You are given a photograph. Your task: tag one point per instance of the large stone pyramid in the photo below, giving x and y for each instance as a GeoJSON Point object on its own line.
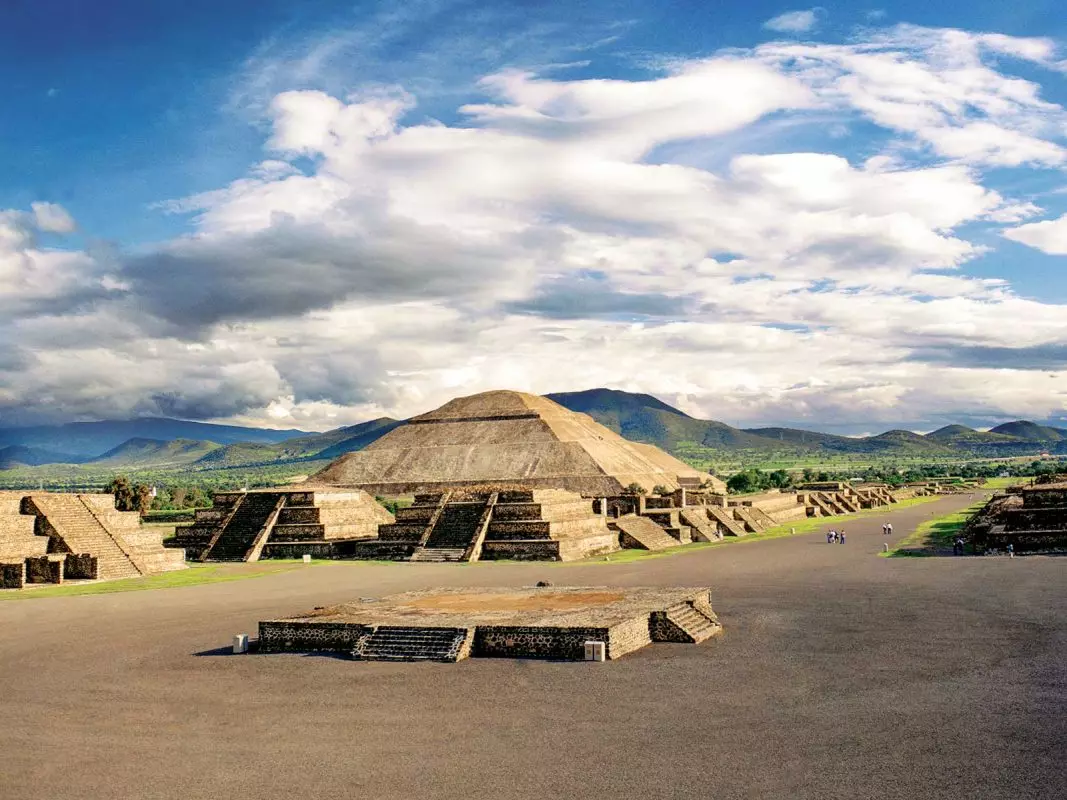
{"type": "Point", "coordinates": [505, 440]}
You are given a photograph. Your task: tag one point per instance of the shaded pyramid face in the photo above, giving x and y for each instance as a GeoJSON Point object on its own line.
{"type": "Point", "coordinates": [504, 439]}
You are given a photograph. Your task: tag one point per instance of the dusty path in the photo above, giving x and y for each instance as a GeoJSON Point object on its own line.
{"type": "Point", "coordinates": [840, 675]}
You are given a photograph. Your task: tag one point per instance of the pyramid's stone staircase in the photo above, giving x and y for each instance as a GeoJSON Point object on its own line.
{"type": "Point", "coordinates": [74, 528]}
{"type": "Point", "coordinates": [703, 529]}
{"type": "Point", "coordinates": [396, 643]}
{"type": "Point", "coordinates": [252, 518]}
{"type": "Point", "coordinates": [281, 524]}
{"type": "Point", "coordinates": [726, 519]}
{"type": "Point", "coordinates": [745, 516]}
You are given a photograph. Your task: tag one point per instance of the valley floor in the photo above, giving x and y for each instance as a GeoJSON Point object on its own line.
{"type": "Point", "coordinates": [840, 675]}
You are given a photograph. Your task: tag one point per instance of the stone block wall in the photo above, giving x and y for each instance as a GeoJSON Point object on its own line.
{"type": "Point", "coordinates": [44, 570]}
{"type": "Point", "coordinates": [82, 566]}
{"type": "Point", "coordinates": [289, 636]}
{"type": "Point", "coordinates": [13, 576]}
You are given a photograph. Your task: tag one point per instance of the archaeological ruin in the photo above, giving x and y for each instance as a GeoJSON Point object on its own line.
{"type": "Point", "coordinates": [501, 475]}
{"type": "Point", "coordinates": [564, 623]}
{"type": "Point", "coordinates": [1028, 518]}
{"type": "Point", "coordinates": [48, 537]}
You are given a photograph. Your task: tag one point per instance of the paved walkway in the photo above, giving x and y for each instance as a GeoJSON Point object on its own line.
{"type": "Point", "coordinates": [840, 675]}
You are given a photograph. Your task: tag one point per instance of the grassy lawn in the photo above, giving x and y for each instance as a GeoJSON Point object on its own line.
{"type": "Point", "coordinates": [934, 535]}
{"type": "Point", "coordinates": [195, 575]}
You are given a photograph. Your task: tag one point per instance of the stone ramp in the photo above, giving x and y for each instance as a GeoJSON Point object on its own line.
{"type": "Point", "coordinates": [396, 643]}
{"type": "Point", "coordinates": [642, 533]}
{"type": "Point", "coordinates": [73, 522]}
{"type": "Point", "coordinates": [726, 519]}
{"type": "Point", "coordinates": [240, 532]}
{"type": "Point", "coordinates": [704, 530]}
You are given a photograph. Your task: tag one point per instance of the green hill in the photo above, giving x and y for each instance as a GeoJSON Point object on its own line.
{"type": "Point", "coordinates": [1021, 429]}
{"type": "Point", "coordinates": [154, 452]}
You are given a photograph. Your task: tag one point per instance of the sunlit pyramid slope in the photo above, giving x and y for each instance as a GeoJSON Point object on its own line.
{"type": "Point", "coordinates": [505, 440]}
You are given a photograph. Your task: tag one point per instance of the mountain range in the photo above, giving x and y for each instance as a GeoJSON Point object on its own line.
{"type": "Point", "coordinates": [171, 443]}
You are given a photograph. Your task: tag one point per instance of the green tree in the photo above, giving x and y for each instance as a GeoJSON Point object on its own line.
{"type": "Point", "coordinates": [120, 487]}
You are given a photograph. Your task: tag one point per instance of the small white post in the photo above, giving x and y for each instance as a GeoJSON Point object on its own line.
{"type": "Point", "coordinates": [792, 530]}
{"type": "Point", "coordinates": [240, 643]}
{"type": "Point", "coordinates": [885, 547]}
{"type": "Point", "coordinates": [307, 558]}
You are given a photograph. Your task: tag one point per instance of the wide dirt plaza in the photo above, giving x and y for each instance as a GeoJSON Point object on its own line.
{"type": "Point", "coordinates": [839, 674]}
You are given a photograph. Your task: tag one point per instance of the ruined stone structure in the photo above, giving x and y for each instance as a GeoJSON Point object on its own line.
{"type": "Point", "coordinates": [1030, 519]}
{"type": "Point", "coordinates": [472, 525]}
{"type": "Point", "coordinates": [281, 523]}
{"type": "Point", "coordinates": [506, 440]}
{"type": "Point", "coordinates": [452, 624]}
{"type": "Point", "coordinates": [48, 537]}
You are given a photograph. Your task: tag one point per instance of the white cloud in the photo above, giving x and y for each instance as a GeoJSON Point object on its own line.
{"type": "Point", "coordinates": [1048, 236]}
{"type": "Point", "coordinates": [52, 218]}
{"type": "Point", "coordinates": [794, 21]}
{"type": "Point", "coordinates": [380, 263]}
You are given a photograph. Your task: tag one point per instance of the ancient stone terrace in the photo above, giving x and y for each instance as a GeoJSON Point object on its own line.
{"type": "Point", "coordinates": [541, 622]}
{"type": "Point", "coordinates": [282, 523]}
{"type": "Point", "coordinates": [50, 537]}
{"type": "Point", "coordinates": [536, 524]}
{"type": "Point", "coordinates": [1033, 519]}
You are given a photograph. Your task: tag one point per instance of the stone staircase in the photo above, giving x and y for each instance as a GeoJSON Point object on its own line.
{"type": "Point", "coordinates": [703, 529]}
{"type": "Point", "coordinates": [726, 519]}
{"type": "Point", "coordinates": [438, 555]}
{"type": "Point", "coordinates": [239, 535]}
{"type": "Point", "coordinates": [395, 643]}
{"type": "Point", "coordinates": [750, 522]}
{"type": "Point", "coordinates": [693, 625]}
{"type": "Point", "coordinates": [642, 533]}
{"type": "Point", "coordinates": [762, 517]}
{"type": "Point", "coordinates": [73, 522]}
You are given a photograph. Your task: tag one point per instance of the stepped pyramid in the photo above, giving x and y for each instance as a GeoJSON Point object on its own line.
{"type": "Point", "coordinates": [281, 523]}
{"type": "Point", "coordinates": [505, 440]}
{"type": "Point", "coordinates": [46, 537]}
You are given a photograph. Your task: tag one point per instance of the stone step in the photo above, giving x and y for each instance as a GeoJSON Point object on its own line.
{"type": "Point", "coordinates": [639, 532]}
{"type": "Point", "coordinates": [439, 554]}
{"type": "Point", "coordinates": [394, 643]}
{"type": "Point", "coordinates": [726, 520]}
{"type": "Point", "coordinates": [692, 622]}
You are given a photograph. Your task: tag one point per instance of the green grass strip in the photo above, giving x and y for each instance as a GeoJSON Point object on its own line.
{"type": "Point", "coordinates": [935, 534]}
{"type": "Point", "coordinates": [195, 575]}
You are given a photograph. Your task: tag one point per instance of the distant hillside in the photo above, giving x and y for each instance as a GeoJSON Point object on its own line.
{"type": "Point", "coordinates": [359, 436]}
{"type": "Point", "coordinates": [1021, 429]}
{"type": "Point", "coordinates": [643, 418]}
{"type": "Point", "coordinates": [640, 417]}
{"type": "Point", "coordinates": [18, 455]}
{"type": "Point", "coordinates": [90, 439]}
{"type": "Point", "coordinates": [155, 452]}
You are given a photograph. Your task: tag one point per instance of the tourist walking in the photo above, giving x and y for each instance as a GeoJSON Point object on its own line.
{"type": "Point", "coordinates": [1011, 551]}
{"type": "Point", "coordinates": [841, 537]}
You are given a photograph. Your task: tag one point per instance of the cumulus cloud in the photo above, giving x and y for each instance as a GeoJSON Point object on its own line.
{"type": "Point", "coordinates": [52, 218]}
{"type": "Point", "coordinates": [378, 262]}
{"type": "Point", "coordinates": [1048, 236]}
{"type": "Point", "coordinates": [794, 21]}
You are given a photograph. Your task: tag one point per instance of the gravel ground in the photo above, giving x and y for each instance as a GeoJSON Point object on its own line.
{"type": "Point", "coordinates": [840, 675]}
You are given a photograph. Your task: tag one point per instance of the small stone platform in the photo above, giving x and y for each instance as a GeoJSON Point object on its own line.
{"type": "Point", "coordinates": [543, 622]}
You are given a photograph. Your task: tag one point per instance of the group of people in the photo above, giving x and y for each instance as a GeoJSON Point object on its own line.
{"type": "Point", "coordinates": [835, 537]}
{"type": "Point", "coordinates": [887, 529]}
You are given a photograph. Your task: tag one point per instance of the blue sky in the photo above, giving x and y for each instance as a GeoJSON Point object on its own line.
{"type": "Point", "coordinates": [116, 111]}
